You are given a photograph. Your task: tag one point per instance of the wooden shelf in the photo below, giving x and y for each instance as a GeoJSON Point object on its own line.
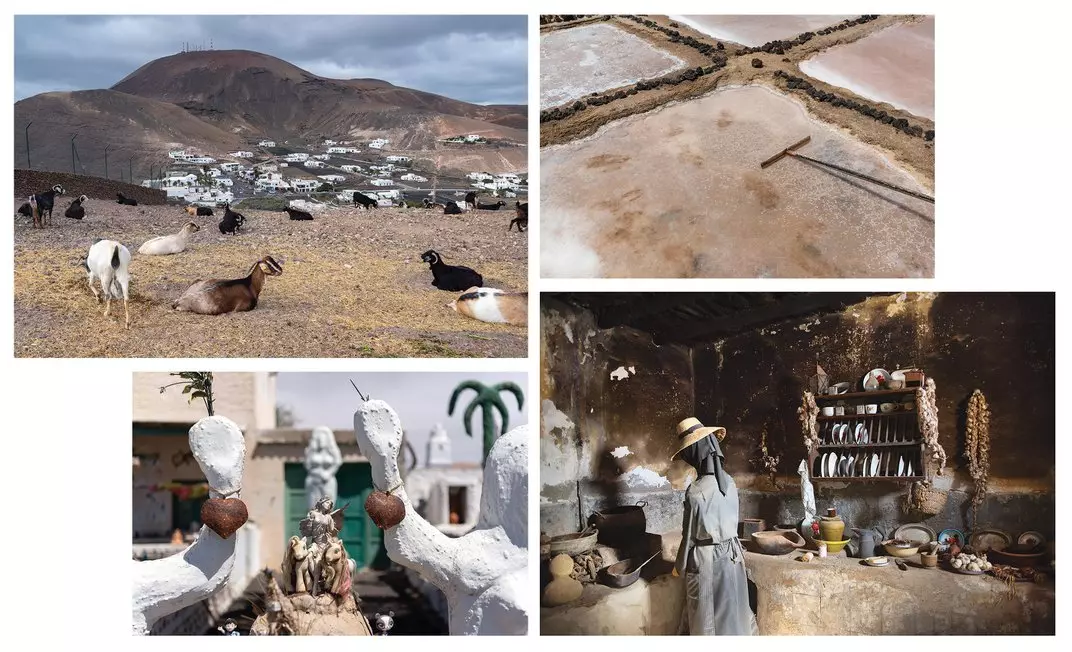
{"type": "Point", "coordinates": [886, 415]}
{"type": "Point", "coordinates": [892, 444]}
{"type": "Point", "coordinates": [855, 395]}
{"type": "Point", "coordinates": [868, 479]}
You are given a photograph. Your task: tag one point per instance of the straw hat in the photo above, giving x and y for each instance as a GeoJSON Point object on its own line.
{"type": "Point", "coordinates": [691, 431]}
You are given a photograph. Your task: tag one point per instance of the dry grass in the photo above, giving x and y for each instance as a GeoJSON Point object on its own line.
{"type": "Point", "coordinates": [353, 285]}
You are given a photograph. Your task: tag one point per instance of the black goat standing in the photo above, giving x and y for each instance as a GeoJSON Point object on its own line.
{"type": "Point", "coordinates": [231, 221]}
{"type": "Point", "coordinates": [76, 211]}
{"type": "Point", "coordinates": [454, 278]}
{"type": "Point", "coordinates": [120, 198]}
{"type": "Point", "coordinates": [295, 214]}
{"type": "Point", "coordinates": [522, 219]}
{"type": "Point", "coordinates": [42, 203]}
{"type": "Point", "coordinates": [365, 200]}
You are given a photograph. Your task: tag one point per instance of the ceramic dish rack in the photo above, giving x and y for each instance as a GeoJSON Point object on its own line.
{"type": "Point", "coordinates": [886, 446]}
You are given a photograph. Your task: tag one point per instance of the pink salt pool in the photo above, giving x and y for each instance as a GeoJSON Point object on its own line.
{"type": "Point", "coordinates": [895, 65]}
{"type": "Point", "coordinates": [756, 30]}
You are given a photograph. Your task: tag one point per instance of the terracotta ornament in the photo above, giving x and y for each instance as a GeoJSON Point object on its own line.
{"type": "Point", "coordinates": [224, 515]}
{"type": "Point", "coordinates": [385, 509]}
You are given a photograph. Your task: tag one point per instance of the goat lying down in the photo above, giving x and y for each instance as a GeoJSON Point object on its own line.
{"type": "Point", "coordinates": [218, 296]}
{"type": "Point", "coordinates": [110, 262]}
{"type": "Point", "coordinates": [164, 245]}
{"type": "Point", "coordinates": [493, 306]}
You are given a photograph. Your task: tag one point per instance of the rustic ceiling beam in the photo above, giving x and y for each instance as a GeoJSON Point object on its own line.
{"type": "Point", "coordinates": [641, 306]}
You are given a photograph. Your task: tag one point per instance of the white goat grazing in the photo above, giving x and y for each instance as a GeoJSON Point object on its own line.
{"type": "Point", "coordinates": [169, 244]}
{"type": "Point", "coordinates": [110, 262]}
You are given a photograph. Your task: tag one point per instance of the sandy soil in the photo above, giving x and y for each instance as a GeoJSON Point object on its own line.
{"type": "Point", "coordinates": [895, 65]}
{"type": "Point", "coordinates": [678, 192]}
{"type": "Point", "coordinates": [591, 58]}
{"type": "Point", "coordinates": [754, 31]}
{"type": "Point", "coordinates": [353, 285]}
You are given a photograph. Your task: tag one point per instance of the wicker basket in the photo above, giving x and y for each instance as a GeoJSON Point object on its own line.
{"type": "Point", "coordinates": [928, 500]}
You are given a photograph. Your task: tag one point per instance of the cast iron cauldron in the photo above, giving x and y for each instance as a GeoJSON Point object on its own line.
{"type": "Point", "coordinates": [620, 526]}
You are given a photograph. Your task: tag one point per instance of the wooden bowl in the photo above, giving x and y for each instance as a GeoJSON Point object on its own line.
{"type": "Point", "coordinates": [1017, 556]}
{"type": "Point", "coordinates": [772, 542]}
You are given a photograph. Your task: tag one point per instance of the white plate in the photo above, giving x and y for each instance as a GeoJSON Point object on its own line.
{"type": "Point", "coordinates": [852, 466]}
{"type": "Point", "coordinates": [831, 462]}
{"type": "Point", "coordinates": [874, 465]}
{"type": "Point", "coordinates": [822, 465]}
{"type": "Point", "coordinates": [916, 532]}
{"type": "Point", "coordinates": [865, 436]}
{"type": "Point", "coordinates": [870, 382]}
{"type": "Point", "coordinates": [909, 474]}
{"type": "Point", "coordinates": [856, 436]}
{"type": "Point", "coordinates": [900, 466]}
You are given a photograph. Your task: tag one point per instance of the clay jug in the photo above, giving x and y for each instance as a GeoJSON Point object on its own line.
{"type": "Point", "coordinates": [831, 526]}
{"type": "Point", "coordinates": [868, 539]}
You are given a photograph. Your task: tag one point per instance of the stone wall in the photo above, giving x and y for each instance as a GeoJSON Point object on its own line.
{"type": "Point", "coordinates": [610, 401]}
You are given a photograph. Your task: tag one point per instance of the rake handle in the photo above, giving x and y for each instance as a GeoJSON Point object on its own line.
{"type": "Point", "coordinates": [884, 184]}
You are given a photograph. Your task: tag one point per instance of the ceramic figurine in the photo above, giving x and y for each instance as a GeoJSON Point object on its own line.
{"type": "Point", "coordinates": [229, 628]}
{"type": "Point", "coordinates": [384, 622]}
{"type": "Point", "coordinates": [297, 567]}
{"type": "Point", "coordinates": [335, 569]}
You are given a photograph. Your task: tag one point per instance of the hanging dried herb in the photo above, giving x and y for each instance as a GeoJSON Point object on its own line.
{"type": "Point", "coordinates": [198, 384]}
{"type": "Point", "coordinates": [927, 410]}
{"type": "Point", "coordinates": [808, 412]}
{"type": "Point", "coordinates": [977, 448]}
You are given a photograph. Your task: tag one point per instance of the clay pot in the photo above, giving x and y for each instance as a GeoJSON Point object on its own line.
{"type": "Point", "coordinates": [224, 515]}
{"type": "Point", "coordinates": [386, 510]}
{"type": "Point", "coordinates": [831, 526]}
{"type": "Point", "coordinates": [749, 526]}
{"type": "Point", "coordinates": [929, 560]}
{"type": "Point", "coordinates": [562, 588]}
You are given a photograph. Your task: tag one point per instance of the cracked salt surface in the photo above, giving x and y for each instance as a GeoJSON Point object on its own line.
{"type": "Point", "coordinates": [754, 31]}
{"type": "Point", "coordinates": [578, 61]}
{"type": "Point", "coordinates": [678, 192]}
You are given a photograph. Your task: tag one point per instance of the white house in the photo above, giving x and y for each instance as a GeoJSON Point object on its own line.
{"type": "Point", "coordinates": [230, 167]}
{"type": "Point", "coordinates": [284, 165]}
{"type": "Point", "coordinates": [385, 195]}
{"type": "Point", "coordinates": [332, 178]}
{"type": "Point", "coordinates": [213, 172]}
{"type": "Point", "coordinates": [266, 143]}
{"type": "Point", "coordinates": [446, 493]}
{"type": "Point", "coordinates": [321, 157]}
{"type": "Point", "coordinates": [413, 177]}
{"type": "Point", "coordinates": [304, 185]}
{"type": "Point", "coordinates": [329, 143]}
{"type": "Point", "coordinates": [351, 168]}
{"type": "Point", "coordinates": [398, 159]}
{"type": "Point", "coordinates": [382, 182]}
{"type": "Point", "coordinates": [314, 164]}
{"type": "Point", "coordinates": [201, 160]}
{"type": "Point", "coordinates": [343, 150]}
{"type": "Point", "coordinates": [270, 182]}
{"type": "Point", "coordinates": [296, 157]}
{"type": "Point", "coordinates": [266, 167]}
{"type": "Point", "coordinates": [379, 143]}
{"type": "Point", "coordinates": [241, 154]}
{"type": "Point", "coordinates": [223, 182]}
{"type": "Point", "coordinates": [178, 154]}
{"type": "Point", "coordinates": [508, 177]}
{"type": "Point", "coordinates": [479, 176]}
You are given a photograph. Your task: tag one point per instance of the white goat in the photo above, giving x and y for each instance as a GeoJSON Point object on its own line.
{"type": "Point", "coordinates": [110, 262]}
{"type": "Point", "coordinates": [164, 245]}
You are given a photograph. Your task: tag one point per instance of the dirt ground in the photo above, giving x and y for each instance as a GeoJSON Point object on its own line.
{"type": "Point", "coordinates": [353, 285]}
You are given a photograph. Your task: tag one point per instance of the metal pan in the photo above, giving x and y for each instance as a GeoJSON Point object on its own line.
{"type": "Point", "coordinates": [623, 573]}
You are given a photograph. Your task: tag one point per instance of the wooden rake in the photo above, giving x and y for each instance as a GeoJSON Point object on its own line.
{"type": "Point", "coordinates": [790, 151]}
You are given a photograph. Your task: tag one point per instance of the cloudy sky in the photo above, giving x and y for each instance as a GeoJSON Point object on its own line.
{"type": "Point", "coordinates": [479, 59]}
{"type": "Point", "coordinates": [420, 399]}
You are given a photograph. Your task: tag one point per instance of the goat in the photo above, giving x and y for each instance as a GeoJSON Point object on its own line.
{"type": "Point", "coordinates": [110, 262]}
{"type": "Point", "coordinates": [453, 278]}
{"type": "Point", "coordinates": [522, 219]}
{"type": "Point", "coordinates": [231, 221]}
{"type": "Point", "coordinates": [470, 198]}
{"type": "Point", "coordinates": [42, 203]}
{"type": "Point", "coordinates": [431, 203]}
{"type": "Point", "coordinates": [296, 214]}
{"type": "Point", "coordinates": [491, 207]}
{"type": "Point", "coordinates": [217, 296]}
{"type": "Point", "coordinates": [120, 198]}
{"type": "Point", "coordinates": [493, 306]}
{"type": "Point", "coordinates": [164, 245]}
{"type": "Point", "coordinates": [25, 210]}
{"type": "Point", "coordinates": [76, 211]}
{"type": "Point", "coordinates": [452, 208]}
{"type": "Point", "coordinates": [199, 211]}
{"type": "Point", "coordinates": [365, 200]}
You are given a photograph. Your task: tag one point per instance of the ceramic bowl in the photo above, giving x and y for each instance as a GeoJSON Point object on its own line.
{"type": "Point", "coordinates": [834, 547]}
{"type": "Point", "coordinates": [1018, 556]}
{"type": "Point", "coordinates": [886, 408]}
{"type": "Point", "coordinates": [877, 561]}
{"type": "Point", "coordinates": [900, 551]}
{"type": "Point", "coordinates": [772, 542]}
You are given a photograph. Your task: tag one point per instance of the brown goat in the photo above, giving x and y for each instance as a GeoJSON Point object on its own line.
{"type": "Point", "coordinates": [217, 296]}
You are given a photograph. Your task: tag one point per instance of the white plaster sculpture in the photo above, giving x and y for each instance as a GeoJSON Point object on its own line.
{"type": "Point", "coordinates": [322, 461]}
{"type": "Point", "coordinates": [807, 495]}
{"type": "Point", "coordinates": [484, 574]}
{"type": "Point", "coordinates": [164, 586]}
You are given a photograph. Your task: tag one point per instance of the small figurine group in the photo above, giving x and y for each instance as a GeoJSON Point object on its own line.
{"type": "Point", "coordinates": [229, 628]}
{"type": "Point", "coordinates": [316, 562]}
{"type": "Point", "coordinates": [384, 622]}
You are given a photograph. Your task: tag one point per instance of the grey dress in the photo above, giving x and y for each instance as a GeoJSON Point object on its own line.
{"type": "Point", "coordinates": [716, 588]}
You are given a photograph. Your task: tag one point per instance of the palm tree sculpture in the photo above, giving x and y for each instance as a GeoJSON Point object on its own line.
{"type": "Point", "coordinates": [488, 400]}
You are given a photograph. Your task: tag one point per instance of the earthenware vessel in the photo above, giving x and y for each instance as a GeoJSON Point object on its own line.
{"type": "Point", "coordinates": [831, 526]}
{"type": "Point", "coordinates": [929, 560]}
{"type": "Point", "coordinates": [868, 539]}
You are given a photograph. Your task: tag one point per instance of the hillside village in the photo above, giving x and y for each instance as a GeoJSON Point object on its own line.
{"type": "Point", "coordinates": [331, 171]}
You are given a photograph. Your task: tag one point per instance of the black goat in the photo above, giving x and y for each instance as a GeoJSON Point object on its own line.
{"type": "Point", "coordinates": [231, 221]}
{"type": "Point", "coordinates": [295, 214]}
{"type": "Point", "coordinates": [120, 198]}
{"type": "Point", "coordinates": [522, 219]}
{"type": "Point", "coordinates": [452, 208]}
{"type": "Point", "coordinates": [491, 207]}
{"type": "Point", "coordinates": [470, 198]}
{"type": "Point", "coordinates": [76, 211]}
{"type": "Point", "coordinates": [199, 211]}
{"type": "Point", "coordinates": [26, 210]}
{"type": "Point", "coordinates": [42, 203]}
{"type": "Point", "coordinates": [454, 278]}
{"type": "Point", "coordinates": [365, 200]}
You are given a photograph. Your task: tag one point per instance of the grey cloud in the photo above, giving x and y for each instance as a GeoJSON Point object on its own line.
{"type": "Point", "coordinates": [481, 59]}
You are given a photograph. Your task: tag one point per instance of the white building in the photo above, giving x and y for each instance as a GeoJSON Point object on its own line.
{"type": "Point", "coordinates": [446, 493]}
{"type": "Point", "coordinates": [413, 177]}
{"type": "Point", "coordinates": [223, 182]}
{"type": "Point", "coordinates": [508, 177]}
{"type": "Point", "coordinates": [398, 159]}
{"type": "Point", "coordinates": [241, 154]}
{"type": "Point", "coordinates": [479, 176]}
{"type": "Point", "coordinates": [314, 164]}
{"type": "Point", "coordinates": [266, 143]}
{"type": "Point", "coordinates": [213, 172]}
{"type": "Point", "coordinates": [230, 167]}
{"type": "Point", "coordinates": [332, 178]}
{"type": "Point", "coordinates": [304, 185]}
{"type": "Point", "coordinates": [201, 160]}
{"type": "Point", "coordinates": [343, 150]}
{"type": "Point", "coordinates": [322, 157]}
{"type": "Point", "coordinates": [178, 154]}
{"type": "Point", "coordinates": [266, 167]}
{"type": "Point", "coordinates": [382, 182]}
{"type": "Point", "coordinates": [351, 168]}
{"type": "Point", "coordinates": [379, 143]}
{"type": "Point", "coordinates": [329, 143]}
{"type": "Point", "coordinates": [284, 165]}
{"type": "Point", "coordinates": [296, 157]}
{"type": "Point", "coordinates": [270, 182]}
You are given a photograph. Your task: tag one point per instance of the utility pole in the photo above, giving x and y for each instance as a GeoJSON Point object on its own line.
{"type": "Point", "coordinates": [151, 166]}
{"type": "Point", "coordinates": [28, 144]}
{"type": "Point", "coordinates": [73, 171]}
{"type": "Point", "coordinates": [130, 167]}
{"type": "Point", "coordinates": [106, 148]}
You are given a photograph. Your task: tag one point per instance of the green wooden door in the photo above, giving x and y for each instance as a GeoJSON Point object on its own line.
{"type": "Point", "coordinates": [363, 540]}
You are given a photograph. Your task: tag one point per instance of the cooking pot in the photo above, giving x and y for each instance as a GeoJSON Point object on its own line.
{"type": "Point", "coordinates": [620, 526]}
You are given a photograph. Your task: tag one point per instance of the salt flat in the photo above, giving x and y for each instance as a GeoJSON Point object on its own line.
{"type": "Point", "coordinates": [754, 31]}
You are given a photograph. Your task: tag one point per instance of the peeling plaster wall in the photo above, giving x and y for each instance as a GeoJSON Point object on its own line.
{"type": "Point", "coordinates": [1002, 344]}
{"type": "Point", "coordinates": [610, 401]}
